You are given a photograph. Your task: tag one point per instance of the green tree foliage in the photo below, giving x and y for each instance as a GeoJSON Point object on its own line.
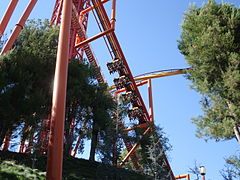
{"type": "Point", "coordinates": [151, 152]}
{"type": "Point", "coordinates": [26, 80]}
{"type": "Point", "coordinates": [210, 42]}
{"type": "Point", "coordinates": [26, 77]}
{"type": "Point", "coordinates": [102, 104]}
{"type": "Point", "coordinates": [151, 147]}
{"type": "Point", "coordinates": [80, 90]}
{"type": "Point", "coordinates": [154, 147]}
{"type": "Point", "coordinates": [232, 168]}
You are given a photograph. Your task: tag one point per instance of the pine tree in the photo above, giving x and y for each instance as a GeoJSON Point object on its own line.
{"type": "Point", "coordinates": [26, 76]}
{"type": "Point", "coordinates": [210, 42]}
{"type": "Point", "coordinates": [232, 168]}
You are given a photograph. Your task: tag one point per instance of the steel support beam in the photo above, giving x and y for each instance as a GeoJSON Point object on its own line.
{"type": "Point", "coordinates": [19, 26]}
{"type": "Point", "coordinates": [7, 15]}
{"type": "Point", "coordinates": [55, 147]}
{"type": "Point", "coordinates": [187, 176]}
{"type": "Point", "coordinates": [150, 98]}
{"type": "Point", "coordinates": [134, 147]}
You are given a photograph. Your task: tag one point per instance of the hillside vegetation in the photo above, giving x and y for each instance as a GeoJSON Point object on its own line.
{"type": "Point", "coordinates": [17, 166]}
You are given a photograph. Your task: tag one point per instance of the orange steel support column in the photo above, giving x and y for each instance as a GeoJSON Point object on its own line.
{"type": "Point", "coordinates": [89, 9]}
{"type": "Point", "coordinates": [113, 20]}
{"type": "Point", "coordinates": [18, 27]}
{"type": "Point", "coordinates": [83, 43]}
{"type": "Point", "coordinates": [7, 15]}
{"type": "Point", "coordinates": [76, 146]}
{"type": "Point", "coordinates": [187, 176]}
{"type": "Point", "coordinates": [79, 140]}
{"type": "Point", "coordinates": [141, 83]}
{"type": "Point", "coordinates": [22, 145]}
{"type": "Point", "coordinates": [150, 100]}
{"type": "Point", "coordinates": [7, 140]}
{"type": "Point", "coordinates": [113, 14]}
{"type": "Point", "coordinates": [134, 147]}
{"type": "Point", "coordinates": [55, 147]}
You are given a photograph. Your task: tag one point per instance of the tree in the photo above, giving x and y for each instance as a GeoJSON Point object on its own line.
{"type": "Point", "coordinates": [79, 92]}
{"type": "Point", "coordinates": [102, 105]}
{"type": "Point", "coordinates": [154, 147]}
{"type": "Point", "coordinates": [3, 40]}
{"type": "Point", "coordinates": [26, 75]}
{"type": "Point", "coordinates": [232, 168]}
{"type": "Point", "coordinates": [151, 153]}
{"type": "Point", "coordinates": [210, 42]}
{"type": "Point", "coordinates": [195, 170]}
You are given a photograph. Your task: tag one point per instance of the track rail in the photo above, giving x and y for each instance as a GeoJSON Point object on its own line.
{"type": "Point", "coordinates": [128, 80]}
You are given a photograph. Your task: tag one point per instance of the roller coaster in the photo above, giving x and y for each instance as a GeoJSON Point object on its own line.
{"type": "Point", "coordinates": [72, 16]}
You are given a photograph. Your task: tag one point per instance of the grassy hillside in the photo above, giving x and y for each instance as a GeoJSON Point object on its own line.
{"type": "Point", "coordinates": [11, 170]}
{"type": "Point", "coordinates": [16, 166]}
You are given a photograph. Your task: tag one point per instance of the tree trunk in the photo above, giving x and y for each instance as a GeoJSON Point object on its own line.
{"type": "Point", "coordinates": [237, 132]}
{"type": "Point", "coordinates": [115, 154]}
{"type": "Point", "coordinates": [68, 144]}
{"type": "Point", "coordinates": [30, 143]}
{"type": "Point", "coordinates": [3, 132]}
{"type": "Point", "coordinates": [236, 128]}
{"type": "Point", "coordinates": [93, 142]}
{"type": "Point", "coordinates": [69, 127]}
{"type": "Point", "coordinates": [80, 136]}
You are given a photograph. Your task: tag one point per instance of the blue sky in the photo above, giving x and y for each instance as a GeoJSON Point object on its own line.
{"type": "Point", "coordinates": [148, 32]}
